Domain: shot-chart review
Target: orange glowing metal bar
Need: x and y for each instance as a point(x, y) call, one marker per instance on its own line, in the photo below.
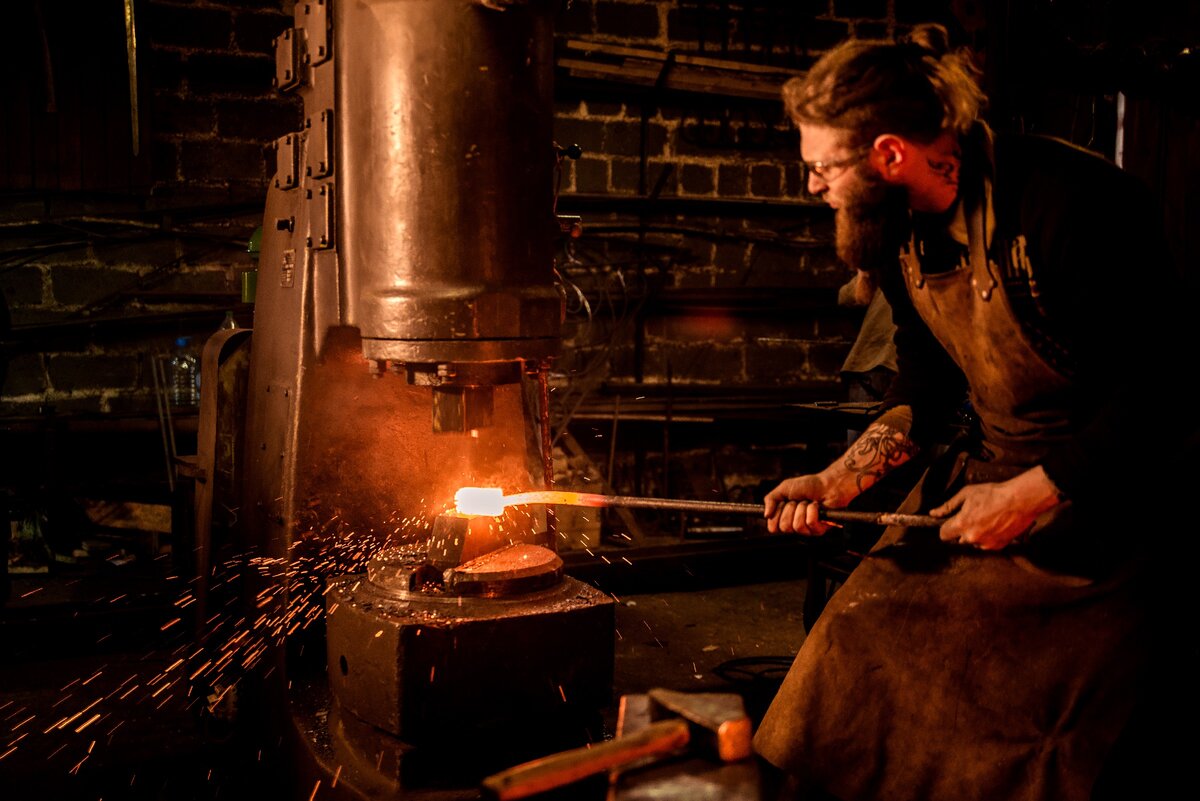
point(479, 501)
point(491, 502)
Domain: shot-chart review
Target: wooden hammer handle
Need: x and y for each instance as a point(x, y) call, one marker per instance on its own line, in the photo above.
point(556, 770)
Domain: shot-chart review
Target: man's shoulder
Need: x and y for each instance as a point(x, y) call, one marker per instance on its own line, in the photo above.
point(1044, 168)
point(1037, 154)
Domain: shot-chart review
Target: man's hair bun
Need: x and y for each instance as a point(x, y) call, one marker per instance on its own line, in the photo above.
point(930, 37)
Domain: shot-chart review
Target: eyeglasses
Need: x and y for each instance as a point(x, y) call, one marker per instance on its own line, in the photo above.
point(829, 170)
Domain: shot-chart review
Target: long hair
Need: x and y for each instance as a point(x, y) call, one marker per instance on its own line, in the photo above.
point(916, 87)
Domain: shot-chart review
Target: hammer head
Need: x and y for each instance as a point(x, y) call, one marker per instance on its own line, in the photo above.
point(718, 719)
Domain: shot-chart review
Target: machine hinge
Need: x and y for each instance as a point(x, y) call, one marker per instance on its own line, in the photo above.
point(316, 32)
point(286, 73)
point(319, 153)
point(286, 161)
point(320, 217)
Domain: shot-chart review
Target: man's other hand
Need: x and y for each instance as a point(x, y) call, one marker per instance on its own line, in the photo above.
point(991, 516)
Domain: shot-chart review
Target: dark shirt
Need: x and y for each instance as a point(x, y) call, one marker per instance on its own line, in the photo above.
point(1095, 292)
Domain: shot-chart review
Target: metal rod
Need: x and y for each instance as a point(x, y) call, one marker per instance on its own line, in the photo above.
point(606, 520)
point(162, 400)
point(492, 501)
point(612, 440)
point(726, 507)
point(131, 58)
point(543, 378)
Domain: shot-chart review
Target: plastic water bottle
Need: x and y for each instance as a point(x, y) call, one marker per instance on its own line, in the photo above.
point(184, 375)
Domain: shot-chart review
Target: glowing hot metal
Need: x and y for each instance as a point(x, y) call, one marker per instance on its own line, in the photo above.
point(491, 501)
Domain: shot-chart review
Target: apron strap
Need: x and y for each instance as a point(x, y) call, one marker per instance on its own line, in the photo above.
point(982, 279)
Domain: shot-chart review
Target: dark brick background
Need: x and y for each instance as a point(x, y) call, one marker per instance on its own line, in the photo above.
point(211, 114)
point(209, 110)
point(727, 208)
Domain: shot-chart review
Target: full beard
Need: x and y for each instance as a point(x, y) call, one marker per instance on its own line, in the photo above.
point(871, 226)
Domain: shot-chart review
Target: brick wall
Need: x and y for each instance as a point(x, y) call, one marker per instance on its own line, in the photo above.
point(704, 267)
point(98, 283)
point(734, 288)
point(215, 108)
point(727, 277)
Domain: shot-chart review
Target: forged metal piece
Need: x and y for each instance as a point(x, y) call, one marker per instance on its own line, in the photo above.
point(506, 571)
point(512, 570)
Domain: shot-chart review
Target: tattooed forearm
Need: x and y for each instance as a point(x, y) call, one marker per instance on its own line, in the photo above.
point(876, 452)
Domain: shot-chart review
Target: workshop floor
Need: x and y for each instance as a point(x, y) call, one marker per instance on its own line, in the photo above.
point(148, 744)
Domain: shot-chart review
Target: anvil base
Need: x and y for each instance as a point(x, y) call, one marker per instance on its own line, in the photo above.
point(483, 683)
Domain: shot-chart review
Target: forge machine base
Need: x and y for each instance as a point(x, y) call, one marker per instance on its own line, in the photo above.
point(421, 682)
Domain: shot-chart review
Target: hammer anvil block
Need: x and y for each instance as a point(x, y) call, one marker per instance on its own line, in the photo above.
point(714, 723)
point(460, 538)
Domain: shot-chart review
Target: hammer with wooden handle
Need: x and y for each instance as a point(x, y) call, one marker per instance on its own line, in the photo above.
point(709, 721)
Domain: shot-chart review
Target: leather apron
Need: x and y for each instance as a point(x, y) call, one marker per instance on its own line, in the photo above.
point(941, 672)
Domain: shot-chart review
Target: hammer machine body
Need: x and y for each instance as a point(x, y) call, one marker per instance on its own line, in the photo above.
point(406, 317)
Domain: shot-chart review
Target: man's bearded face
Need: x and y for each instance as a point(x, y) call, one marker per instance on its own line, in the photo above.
point(871, 221)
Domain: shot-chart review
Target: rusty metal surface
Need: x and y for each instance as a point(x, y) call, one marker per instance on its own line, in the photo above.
point(412, 221)
point(419, 211)
point(424, 668)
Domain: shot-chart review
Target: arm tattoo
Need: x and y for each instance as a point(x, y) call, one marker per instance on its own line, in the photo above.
point(876, 452)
